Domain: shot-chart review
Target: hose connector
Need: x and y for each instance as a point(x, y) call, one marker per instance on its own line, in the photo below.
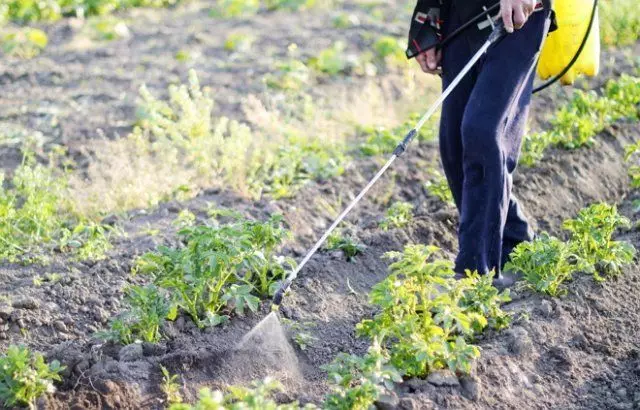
point(402, 147)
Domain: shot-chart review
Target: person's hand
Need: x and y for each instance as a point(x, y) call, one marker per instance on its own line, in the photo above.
point(515, 13)
point(430, 61)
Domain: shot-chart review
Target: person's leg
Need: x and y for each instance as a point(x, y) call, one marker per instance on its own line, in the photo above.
point(454, 58)
point(488, 162)
point(516, 229)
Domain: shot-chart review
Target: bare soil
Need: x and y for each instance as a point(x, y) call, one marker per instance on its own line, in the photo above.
point(581, 351)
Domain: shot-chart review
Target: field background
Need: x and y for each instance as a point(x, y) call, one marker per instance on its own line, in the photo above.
point(121, 125)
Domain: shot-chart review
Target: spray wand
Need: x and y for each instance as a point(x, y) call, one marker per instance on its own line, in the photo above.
point(498, 32)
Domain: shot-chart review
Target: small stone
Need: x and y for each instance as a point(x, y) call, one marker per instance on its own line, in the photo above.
point(636, 396)
point(443, 378)
point(131, 353)
point(545, 308)
point(60, 326)
point(408, 403)
point(519, 341)
point(26, 302)
point(101, 315)
point(417, 384)
point(110, 220)
point(5, 311)
point(387, 402)
point(622, 393)
point(470, 387)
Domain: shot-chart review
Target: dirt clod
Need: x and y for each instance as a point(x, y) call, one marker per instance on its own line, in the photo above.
point(443, 378)
point(25, 302)
point(131, 353)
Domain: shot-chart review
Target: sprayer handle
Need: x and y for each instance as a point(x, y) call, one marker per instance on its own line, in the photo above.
point(499, 31)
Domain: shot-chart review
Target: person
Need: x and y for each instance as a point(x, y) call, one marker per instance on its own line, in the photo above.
point(484, 119)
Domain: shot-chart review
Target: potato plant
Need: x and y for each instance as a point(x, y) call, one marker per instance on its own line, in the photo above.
point(592, 239)
point(220, 269)
point(25, 376)
point(545, 264)
point(147, 309)
point(349, 246)
point(357, 382)
point(427, 319)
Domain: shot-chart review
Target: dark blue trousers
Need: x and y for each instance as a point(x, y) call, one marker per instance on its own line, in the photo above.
point(481, 131)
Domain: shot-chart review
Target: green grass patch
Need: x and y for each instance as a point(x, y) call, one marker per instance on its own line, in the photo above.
point(37, 219)
point(619, 22)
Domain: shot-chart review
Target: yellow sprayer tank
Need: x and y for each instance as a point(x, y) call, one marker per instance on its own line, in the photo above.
point(561, 45)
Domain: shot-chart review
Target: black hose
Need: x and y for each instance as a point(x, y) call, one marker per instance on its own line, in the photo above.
point(575, 57)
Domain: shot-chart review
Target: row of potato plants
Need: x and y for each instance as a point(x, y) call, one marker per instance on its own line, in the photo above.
point(428, 320)
point(576, 124)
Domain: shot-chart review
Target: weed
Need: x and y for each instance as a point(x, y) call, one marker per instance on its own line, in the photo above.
point(36, 217)
point(332, 60)
point(399, 215)
point(24, 43)
point(292, 74)
point(25, 376)
point(619, 22)
point(545, 263)
point(291, 5)
point(108, 28)
point(170, 386)
point(357, 382)
point(349, 247)
point(389, 51)
point(235, 8)
point(25, 11)
point(428, 318)
point(184, 219)
point(344, 21)
point(592, 239)
point(439, 187)
point(239, 42)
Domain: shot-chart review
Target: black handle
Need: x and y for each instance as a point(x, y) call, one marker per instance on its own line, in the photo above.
point(402, 147)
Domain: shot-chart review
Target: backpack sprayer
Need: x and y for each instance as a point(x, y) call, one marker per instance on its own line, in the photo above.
point(498, 33)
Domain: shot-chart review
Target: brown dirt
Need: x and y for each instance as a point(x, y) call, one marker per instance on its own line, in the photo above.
point(577, 352)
